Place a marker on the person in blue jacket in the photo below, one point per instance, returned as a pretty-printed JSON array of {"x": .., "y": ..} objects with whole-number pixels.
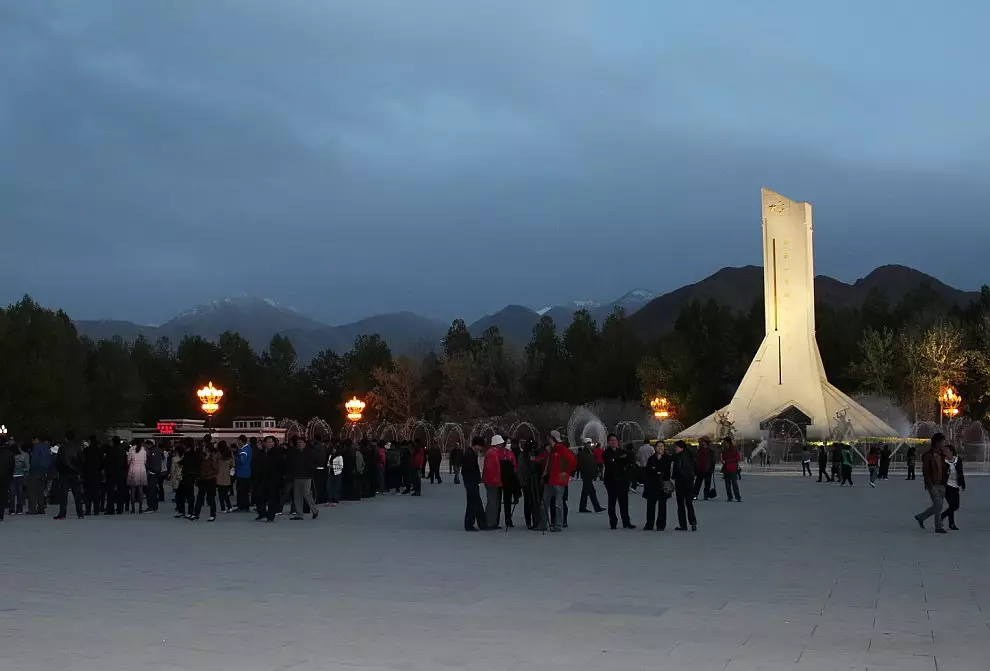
[
  {"x": 242, "y": 474},
  {"x": 41, "y": 464}
]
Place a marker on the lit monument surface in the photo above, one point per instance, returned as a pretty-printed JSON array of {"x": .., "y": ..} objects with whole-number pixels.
[{"x": 786, "y": 379}]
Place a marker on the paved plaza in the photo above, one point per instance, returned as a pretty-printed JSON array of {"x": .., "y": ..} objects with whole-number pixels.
[{"x": 798, "y": 576}]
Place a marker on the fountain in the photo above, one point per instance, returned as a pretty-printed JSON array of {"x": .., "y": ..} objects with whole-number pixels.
[
  {"x": 318, "y": 429},
  {"x": 629, "y": 431},
  {"x": 523, "y": 426},
  {"x": 668, "y": 428},
  {"x": 485, "y": 429},
  {"x": 585, "y": 424},
  {"x": 388, "y": 432},
  {"x": 416, "y": 429},
  {"x": 448, "y": 431},
  {"x": 292, "y": 428}
]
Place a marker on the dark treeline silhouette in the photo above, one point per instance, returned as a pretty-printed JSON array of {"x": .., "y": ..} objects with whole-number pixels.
[{"x": 52, "y": 380}]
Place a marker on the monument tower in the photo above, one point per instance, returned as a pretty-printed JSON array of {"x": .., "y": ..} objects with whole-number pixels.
[{"x": 786, "y": 379}]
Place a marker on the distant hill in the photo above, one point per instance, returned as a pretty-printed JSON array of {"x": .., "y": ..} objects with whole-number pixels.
[
  {"x": 515, "y": 323},
  {"x": 259, "y": 319},
  {"x": 740, "y": 288}
]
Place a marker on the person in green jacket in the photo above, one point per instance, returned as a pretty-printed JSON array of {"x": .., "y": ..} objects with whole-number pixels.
[{"x": 847, "y": 465}]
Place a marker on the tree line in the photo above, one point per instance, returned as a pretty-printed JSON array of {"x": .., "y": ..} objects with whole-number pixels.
[{"x": 51, "y": 379}]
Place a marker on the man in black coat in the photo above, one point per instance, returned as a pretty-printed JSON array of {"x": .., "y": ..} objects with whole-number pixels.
[
  {"x": 320, "y": 456},
  {"x": 823, "y": 464},
  {"x": 471, "y": 474},
  {"x": 93, "y": 487},
  {"x": 274, "y": 479},
  {"x": 588, "y": 469},
  {"x": 115, "y": 477},
  {"x": 259, "y": 477},
  {"x": 682, "y": 473},
  {"x": 618, "y": 474},
  {"x": 69, "y": 464},
  {"x": 7, "y": 448}
]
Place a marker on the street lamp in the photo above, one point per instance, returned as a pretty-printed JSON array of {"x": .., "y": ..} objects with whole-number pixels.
[
  {"x": 355, "y": 409},
  {"x": 949, "y": 401},
  {"x": 209, "y": 398},
  {"x": 661, "y": 407},
  {"x": 3, "y": 430}
]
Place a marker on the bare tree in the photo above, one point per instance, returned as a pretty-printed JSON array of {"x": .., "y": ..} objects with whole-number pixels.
[
  {"x": 397, "y": 391},
  {"x": 943, "y": 357},
  {"x": 877, "y": 365}
]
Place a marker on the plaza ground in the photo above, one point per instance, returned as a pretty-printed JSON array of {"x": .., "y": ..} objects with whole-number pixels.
[{"x": 799, "y": 576}]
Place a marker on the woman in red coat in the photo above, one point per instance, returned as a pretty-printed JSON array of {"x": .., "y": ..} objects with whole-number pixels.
[{"x": 730, "y": 469}]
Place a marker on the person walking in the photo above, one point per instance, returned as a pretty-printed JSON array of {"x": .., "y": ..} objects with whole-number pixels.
[
  {"x": 933, "y": 473},
  {"x": 69, "y": 465},
  {"x": 617, "y": 478},
  {"x": 682, "y": 470},
  {"x": 823, "y": 464},
  {"x": 207, "y": 483},
  {"x": 299, "y": 468},
  {"x": 730, "y": 469},
  {"x": 657, "y": 488},
  {"x": 847, "y": 465},
  {"x": 873, "y": 465},
  {"x": 559, "y": 467},
  {"x": 806, "y": 461},
  {"x": 243, "y": 475},
  {"x": 225, "y": 474},
  {"x": 435, "y": 457},
  {"x": 474, "y": 512},
  {"x": 492, "y": 477},
  {"x": 588, "y": 469},
  {"x": 955, "y": 482},
  {"x": 837, "y": 463},
  {"x": 137, "y": 475}
]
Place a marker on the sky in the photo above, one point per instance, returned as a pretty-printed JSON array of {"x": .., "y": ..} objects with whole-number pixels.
[{"x": 355, "y": 157}]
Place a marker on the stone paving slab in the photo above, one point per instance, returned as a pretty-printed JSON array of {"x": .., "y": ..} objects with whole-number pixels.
[{"x": 799, "y": 576}]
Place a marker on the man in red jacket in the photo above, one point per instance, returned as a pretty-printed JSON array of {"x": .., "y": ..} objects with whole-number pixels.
[
  {"x": 491, "y": 476},
  {"x": 560, "y": 465}
]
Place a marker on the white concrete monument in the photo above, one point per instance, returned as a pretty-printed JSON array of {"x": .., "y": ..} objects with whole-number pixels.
[{"x": 786, "y": 379}]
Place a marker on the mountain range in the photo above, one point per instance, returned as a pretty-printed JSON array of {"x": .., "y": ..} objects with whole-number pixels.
[{"x": 259, "y": 319}]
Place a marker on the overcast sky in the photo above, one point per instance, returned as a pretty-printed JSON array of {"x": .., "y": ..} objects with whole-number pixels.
[{"x": 351, "y": 157}]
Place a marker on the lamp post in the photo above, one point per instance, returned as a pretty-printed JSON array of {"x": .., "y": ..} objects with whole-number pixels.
[
  {"x": 209, "y": 398},
  {"x": 355, "y": 409},
  {"x": 948, "y": 402},
  {"x": 3, "y": 432},
  {"x": 661, "y": 407}
]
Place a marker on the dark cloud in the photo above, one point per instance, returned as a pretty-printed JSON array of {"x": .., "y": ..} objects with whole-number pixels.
[{"x": 451, "y": 157}]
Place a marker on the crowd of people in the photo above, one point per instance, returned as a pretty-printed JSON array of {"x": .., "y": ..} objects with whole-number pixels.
[
  {"x": 539, "y": 476},
  {"x": 113, "y": 477}
]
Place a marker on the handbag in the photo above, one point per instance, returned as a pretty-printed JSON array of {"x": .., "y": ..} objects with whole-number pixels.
[{"x": 668, "y": 487}]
